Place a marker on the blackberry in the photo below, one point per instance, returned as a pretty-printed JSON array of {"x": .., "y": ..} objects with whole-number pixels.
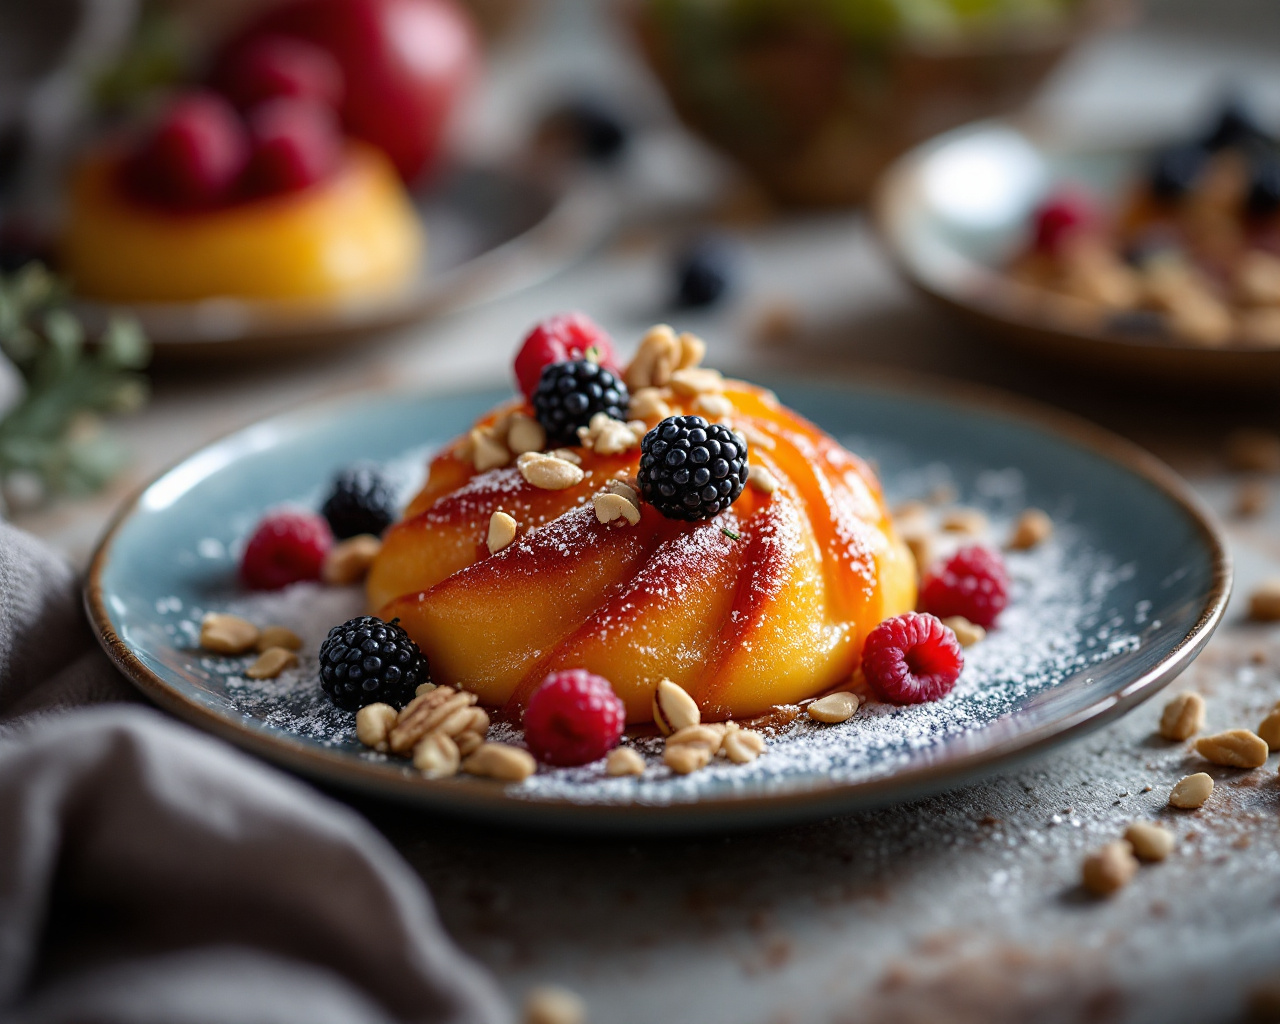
[
  {"x": 1264, "y": 186},
  {"x": 691, "y": 469},
  {"x": 360, "y": 502},
  {"x": 570, "y": 393},
  {"x": 593, "y": 129},
  {"x": 366, "y": 660},
  {"x": 1235, "y": 126},
  {"x": 704, "y": 272},
  {"x": 1176, "y": 171}
]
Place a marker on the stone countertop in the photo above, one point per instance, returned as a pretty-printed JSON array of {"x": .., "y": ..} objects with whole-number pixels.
[{"x": 961, "y": 907}]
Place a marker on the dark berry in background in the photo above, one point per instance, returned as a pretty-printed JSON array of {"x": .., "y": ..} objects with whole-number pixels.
[
  {"x": 1235, "y": 126},
  {"x": 589, "y": 127},
  {"x": 571, "y": 392},
  {"x": 1264, "y": 185},
  {"x": 366, "y": 660},
  {"x": 705, "y": 271},
  {"x": 691, "y": 469},
  {"x": 1176, "y": 171},
  {"x": 360, "y": 502}
]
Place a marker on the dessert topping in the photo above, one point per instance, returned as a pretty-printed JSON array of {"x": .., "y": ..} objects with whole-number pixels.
[
  {"x": 966, "y": 632},
  {"x": 500, "y": 761},
  {"x": 444, "y": 708},
  {"x": 623, "y": 761},
  {"x": 502, "y": 531},
  {"x": 695, "y": 381},
  {"x": 1235, "y": 748},
  {"x": 365, "y": 660},
  {"x": 559, "y": 339},
  {"x": 1192, "y": 791},
  {"x": 673, "y": 708},
  {"x": 606, "y": 436},
  {"x": 691, "y": 469},
  {"x": 296, "y": 143},
  {"x": 650, "y": 404},
  {"x": 761, "y": 479},
  {"x": 279, "y": 636},
  {"x": 615, "y": 508},
  {"x": 1032, "y": 528},
  {"x": 1149, "y": 840},
  {"x": 285, "y": 548},
  {"x": 227, "y": 634},
  {"x": 1109, "y": 868},
  {"x": 374, "y": 723},
  {"x": 573, "y": 718},
  {"x": 348, "y": 562},
  {"x": 712, "y": 405},
  {"x": 834, "y": 707},
  {"x": 741, "y": 746},
  {"x": 710, "y": 736},
  {"x": 548, "y": 471},
  {"x": 486, "y": 449},
  {"x": 658, "y": 356},
  {"x": 911, "y": 659},
  {"x": 359, "y": 502},
  {"x": 525, "y": 434},
  {"x": 1183, "y": 717},
  {"x": 436, "y": 755},
  {"x": 973, "y": 583},
  {"x": 569, "y": 394},
  {"x": 271, "y": 662}
]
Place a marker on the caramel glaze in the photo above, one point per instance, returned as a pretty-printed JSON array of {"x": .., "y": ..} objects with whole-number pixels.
[{"x": 770, "y": 617}]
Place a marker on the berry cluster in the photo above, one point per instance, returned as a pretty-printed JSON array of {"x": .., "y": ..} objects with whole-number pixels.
[{"x": 691, "y": 469}]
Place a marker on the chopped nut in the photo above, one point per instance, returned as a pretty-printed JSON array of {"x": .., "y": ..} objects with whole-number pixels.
[
  {"x": 566, "y": 455},
  {"x": 655, "y": 360},
  {"x": 525, "y": 435},
  {"x": 696, "y": 381},
  {"x": 761, "y": 479},
  {"x": 1109, "y": 868},
  {"x": 967, "y": 633},
  {"x": 1192, "y": 791},
  {"x": 487, "y": 452},
  {"x": 425, "y": 714},
  {"x": 436, "y": 755},
  {"x": 742, "y": 745},
  {"x": 374, "y": 723},
  {"x": 502, "y": 531},
  {"x": 271, "y": 662},
  {"x": 551, "y": 1004},
  {"x": 349, "y": 560},
  {"x": 686, "y": 758},
  {"x": 1264, "y": 601},
  {"x": 614, "y": 507},
  {"x": 692, "y": 350},
  {"x": 1149, "y": 840},
  {"x": 673, "y": 708},
  {"x": 279, "y": 636},
  {"x": 834, "y": 707},
  {"x": 710, "y": 736},
  {"x": 227, "y": 634},
  {"x": 754, "y": 437},
  {"x": 1257, "y": 279},
  {"x": 968, "y": 521},
  {"x": 468, "y": 743},
  {"x": 1235, "y": 748},
  {"x": 1252, "y": 499},
  {"x": 500, "y": 761},
  {"x": 548, "y": 472},
  {"x": 713, "y": 406},
  {"x": 1269, "y": 730},
  {"x": 606, "y": 436},
  {"x": 1182, "y": 717},
  {"x": 423, "y": 688},
  {"x": 1033, "y": 527},
  {"x": 625, "y": 490},
  {"x": 650, "y": 404},
  {"x": 623, "y": 761},
  {"x": 1253, "y": 451},
  {"x": 920, "y": 544}
]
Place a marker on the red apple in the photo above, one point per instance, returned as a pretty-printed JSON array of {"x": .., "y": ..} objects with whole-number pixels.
[{"x": 405, "y": 64}]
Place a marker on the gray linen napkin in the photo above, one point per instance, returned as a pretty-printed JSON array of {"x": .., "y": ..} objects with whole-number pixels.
[{"x": 151, "y": 873}]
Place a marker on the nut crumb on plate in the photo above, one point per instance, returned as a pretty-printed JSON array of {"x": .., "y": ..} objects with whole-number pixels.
[
  {"x": 673, "y": 708},
  {"x": 374, "y": 723},
  {"x": 1183, "y": 716},
  {"x": 436, "y": 755},
  {"x": 1032, "y": 528},
  {"x": 686, "y": 758},
  {"x": 969, "y": 521},
  {"x": 1235, "y": 748},
  {"x": 500, "y": 761},
  {"x": 271, "y": 662},
  {"x": 742, "y": 746},
  {"x": 623, "y": 761},
  {"x": 834, "y": 707},
  {"x": 1109, "y": 868},
  {"x": 966, "y": 632},
  {"x": 278, "y": 636},
  {"x": 227, "y": 634},
  {"x": 349, "y": 560},
  {"x": 1192, "y": 791}
]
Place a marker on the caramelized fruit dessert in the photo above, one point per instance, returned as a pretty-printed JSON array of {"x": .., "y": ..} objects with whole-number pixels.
[
  {"x": 670, "y": 527},
  {"x": 1192, "y": 252}
]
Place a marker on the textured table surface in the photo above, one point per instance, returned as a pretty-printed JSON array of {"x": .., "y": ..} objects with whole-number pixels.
[{"x": 962, "y": 907}]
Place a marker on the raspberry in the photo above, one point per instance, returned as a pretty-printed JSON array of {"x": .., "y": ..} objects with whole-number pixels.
[
  {"x": 272, "y": 66},
  {"x": 195, "y": 156},
  {"x": 285, "y": 548},
  {"x": 911, "y": 659},
  {"x": 574, "y": 717},
  {"x": 973, "y": 583},
  {"x": 1060, "y": 216},
  {"x": 559, "y": 339},
  {"x": 296, "y": 143}
]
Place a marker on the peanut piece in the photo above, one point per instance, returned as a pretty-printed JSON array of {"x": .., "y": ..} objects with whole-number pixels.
[
  {"x": 1109, "y": 869},
  {"x": 525, "y": 435},
  {"x": 713, "y": 406},
  {"x": 1149, "y": 840},
  {"x": 374, "y": 723},
  {"x": 551, "y": 1004},
  {"x": 686, "y": 758},
  {"x": 502, "y": 531},
  {"x": 673, "y": 708},
  {"x": 436, "y": 755},
  {"x": 743, "y": 745},
  {"x": 696, "y": 381},
  {"x": 423, "y": 688},
  {"x": 969, "y": 521},
  {"x": 761, "y": 479},
  {"x": 500, "y": 761},
  {"x": 692, "y": 350},
  {"x": 614, "y": 508},
  {"x": 348, "y": 561},
  {"x": 967, "y": 633},
  {"x": 625, "y": 489},
  {"x": 658, "y": 355},
  {"x": 1032, "y": 528},
  {"x": 279, "y": 636},
  {"x": 834, "y": 707},
  {"x": 1269, "y": 730},
  {"x": 606, "y": 436},
  {"x": 468, "y": 743},
  {"x": 1182, "y": 717},
  {"x": 548, "y": 472},
  {"x": 1264, "y": 601},
  {"x": 623, "y": 761},
  {"x": 271, "y": 662},
  {"x": 227, "y": 634},
  {"x": 487, "y": 452},
  {"x": 650, "y": 404},
  {"x": 1235, "y": 748},
  {"x": 1191, "y": 792},
  {"x": 708, "y": 735}
]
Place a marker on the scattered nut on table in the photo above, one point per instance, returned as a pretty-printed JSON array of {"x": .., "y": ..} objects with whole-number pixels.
[
  {"x": 1269, "y": 729},
  {"x": 551, "y": 1004},
  {"x": 623, "y": 761},
  {"x": 1149, "y": 840},
  {"x": 1264, "y": 601},
  {"x": 500, "y": 761},
  {"x": 1109, "y": 868},
  {"x": 1234, "y": 748},
  {"x": 1183, "y": 716},
  {"x": 1191, "y": 792}
]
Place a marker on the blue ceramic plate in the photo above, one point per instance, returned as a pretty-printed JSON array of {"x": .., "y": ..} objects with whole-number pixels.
[
  {"x": 1123, "y": 596},
  {"x": 953, "y": 212}
]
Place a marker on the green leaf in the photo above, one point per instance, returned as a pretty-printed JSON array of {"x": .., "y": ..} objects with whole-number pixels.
[{"x": 124, "y": 343}]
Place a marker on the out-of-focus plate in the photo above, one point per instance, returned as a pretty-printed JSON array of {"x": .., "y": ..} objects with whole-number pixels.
[
  {"x": 490, "y": 231},
  {"x": 1119, "y": 601},
  {"x": 953, "y": 211}
]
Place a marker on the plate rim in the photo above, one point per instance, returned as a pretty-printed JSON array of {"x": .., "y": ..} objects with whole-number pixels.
[{"x": 489, "y": 801}]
